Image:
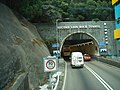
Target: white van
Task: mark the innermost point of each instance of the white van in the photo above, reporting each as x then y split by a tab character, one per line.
77	59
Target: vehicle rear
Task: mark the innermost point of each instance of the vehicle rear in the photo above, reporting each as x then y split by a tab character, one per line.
77	59
87	57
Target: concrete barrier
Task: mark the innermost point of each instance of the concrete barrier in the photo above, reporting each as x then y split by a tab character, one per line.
21	83
109	61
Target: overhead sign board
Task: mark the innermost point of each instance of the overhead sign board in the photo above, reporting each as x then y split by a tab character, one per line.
50	64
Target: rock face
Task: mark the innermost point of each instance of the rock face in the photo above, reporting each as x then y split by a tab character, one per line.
21	50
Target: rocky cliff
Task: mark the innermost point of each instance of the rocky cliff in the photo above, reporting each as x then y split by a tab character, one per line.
21	50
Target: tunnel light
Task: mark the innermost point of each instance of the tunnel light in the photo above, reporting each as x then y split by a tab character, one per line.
107	43
80	44
105	24
106	36
92	42
88	43
105	32
106	39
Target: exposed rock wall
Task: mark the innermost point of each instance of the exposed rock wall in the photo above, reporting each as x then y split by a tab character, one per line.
21	50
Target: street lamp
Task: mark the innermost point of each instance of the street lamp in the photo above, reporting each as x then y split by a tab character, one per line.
57	34
57	42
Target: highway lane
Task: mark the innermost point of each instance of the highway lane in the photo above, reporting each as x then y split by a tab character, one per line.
94	76
108	72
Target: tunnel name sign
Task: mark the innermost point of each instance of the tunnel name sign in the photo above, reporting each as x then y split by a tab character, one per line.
50	65
81	26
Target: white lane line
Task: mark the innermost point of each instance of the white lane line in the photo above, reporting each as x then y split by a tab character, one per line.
105	84
63	87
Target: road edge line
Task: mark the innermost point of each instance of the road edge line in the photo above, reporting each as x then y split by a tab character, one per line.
65	74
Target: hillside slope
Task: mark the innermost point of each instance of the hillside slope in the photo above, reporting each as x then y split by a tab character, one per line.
21	50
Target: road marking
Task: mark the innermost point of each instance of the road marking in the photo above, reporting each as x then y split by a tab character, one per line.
105	84
65	76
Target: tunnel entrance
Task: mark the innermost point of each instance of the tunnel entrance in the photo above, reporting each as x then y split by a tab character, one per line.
82	42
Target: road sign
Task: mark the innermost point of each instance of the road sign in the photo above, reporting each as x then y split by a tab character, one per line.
102	44
50	64
55	45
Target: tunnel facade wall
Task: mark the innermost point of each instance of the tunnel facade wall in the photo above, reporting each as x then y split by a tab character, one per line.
102	31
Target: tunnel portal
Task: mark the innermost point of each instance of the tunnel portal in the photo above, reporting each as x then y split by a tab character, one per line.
81	42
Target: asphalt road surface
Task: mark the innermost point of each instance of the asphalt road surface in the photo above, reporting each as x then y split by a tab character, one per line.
93	76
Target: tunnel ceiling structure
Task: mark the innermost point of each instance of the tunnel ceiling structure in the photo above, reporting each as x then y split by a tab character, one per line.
74	42
81	42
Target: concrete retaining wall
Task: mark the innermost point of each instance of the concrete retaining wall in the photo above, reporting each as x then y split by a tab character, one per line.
109	61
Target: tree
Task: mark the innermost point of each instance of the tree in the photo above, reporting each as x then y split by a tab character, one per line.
47	11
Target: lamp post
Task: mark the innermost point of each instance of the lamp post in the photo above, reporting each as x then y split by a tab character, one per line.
57	42
57	34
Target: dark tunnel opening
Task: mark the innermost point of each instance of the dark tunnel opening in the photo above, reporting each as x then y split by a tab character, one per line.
79	42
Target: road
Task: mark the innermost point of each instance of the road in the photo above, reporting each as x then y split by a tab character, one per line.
94	76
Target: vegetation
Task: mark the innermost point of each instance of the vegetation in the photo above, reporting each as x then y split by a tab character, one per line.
47	11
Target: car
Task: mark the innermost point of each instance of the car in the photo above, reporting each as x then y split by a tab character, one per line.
87	57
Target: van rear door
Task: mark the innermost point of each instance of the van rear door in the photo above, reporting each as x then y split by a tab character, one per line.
77	59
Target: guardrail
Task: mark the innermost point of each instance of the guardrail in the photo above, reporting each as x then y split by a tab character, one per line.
111	61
